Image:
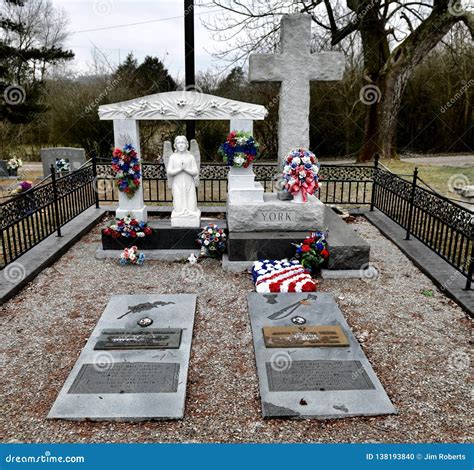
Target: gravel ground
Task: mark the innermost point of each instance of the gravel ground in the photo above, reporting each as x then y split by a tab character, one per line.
417	343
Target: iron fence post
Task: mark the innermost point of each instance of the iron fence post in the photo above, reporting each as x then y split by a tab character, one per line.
96	181
376	166
56	201
470	273
412	201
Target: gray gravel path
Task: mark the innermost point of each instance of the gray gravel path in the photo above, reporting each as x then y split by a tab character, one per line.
417	343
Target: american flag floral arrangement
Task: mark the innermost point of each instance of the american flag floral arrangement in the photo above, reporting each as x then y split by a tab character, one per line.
213	241
300	173
126	170
313	252
239	150
131	256
282	276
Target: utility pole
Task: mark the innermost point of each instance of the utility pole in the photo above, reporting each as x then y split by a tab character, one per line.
190	78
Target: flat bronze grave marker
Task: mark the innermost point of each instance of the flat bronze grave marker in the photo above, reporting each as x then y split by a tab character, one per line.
163	338
127	377
304	336
319	375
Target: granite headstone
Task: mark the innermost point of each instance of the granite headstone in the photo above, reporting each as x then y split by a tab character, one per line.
75	156
312	382
146	377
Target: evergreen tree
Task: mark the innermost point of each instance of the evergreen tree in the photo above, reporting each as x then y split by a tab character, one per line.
23	63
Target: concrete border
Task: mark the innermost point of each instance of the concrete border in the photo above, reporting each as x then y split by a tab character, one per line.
450	281
28	266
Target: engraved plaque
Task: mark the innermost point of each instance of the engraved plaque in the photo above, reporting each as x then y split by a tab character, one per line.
317	376
304	336
127	377
165	338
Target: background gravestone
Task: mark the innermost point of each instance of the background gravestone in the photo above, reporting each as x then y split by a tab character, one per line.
3	169
4	172
75	156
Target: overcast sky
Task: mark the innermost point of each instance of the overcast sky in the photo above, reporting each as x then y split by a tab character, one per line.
164	38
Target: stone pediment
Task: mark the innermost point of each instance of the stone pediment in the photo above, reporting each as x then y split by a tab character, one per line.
182	105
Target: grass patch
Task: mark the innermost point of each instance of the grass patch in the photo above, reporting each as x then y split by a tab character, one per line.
438	177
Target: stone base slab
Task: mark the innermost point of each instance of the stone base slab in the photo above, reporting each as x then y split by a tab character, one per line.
186	221
275	215
253	194
139	214
164	237
367	273
236	266
348	250
156	255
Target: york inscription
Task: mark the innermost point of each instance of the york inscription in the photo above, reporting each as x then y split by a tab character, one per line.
276	216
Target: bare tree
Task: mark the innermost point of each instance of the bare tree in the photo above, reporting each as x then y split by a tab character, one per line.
394	35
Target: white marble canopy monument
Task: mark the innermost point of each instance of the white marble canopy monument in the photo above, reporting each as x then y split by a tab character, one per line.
174	105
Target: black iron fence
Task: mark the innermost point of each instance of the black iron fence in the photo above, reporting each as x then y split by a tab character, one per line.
442	225
439	223
30	217
341	184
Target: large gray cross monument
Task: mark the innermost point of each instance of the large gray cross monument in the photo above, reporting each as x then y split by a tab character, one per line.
295	68
260	229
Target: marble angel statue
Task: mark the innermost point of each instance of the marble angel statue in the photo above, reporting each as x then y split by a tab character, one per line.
182	170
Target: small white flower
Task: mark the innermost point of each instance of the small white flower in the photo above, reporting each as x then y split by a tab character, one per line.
296	160
315	169
239	160
206	242
192	259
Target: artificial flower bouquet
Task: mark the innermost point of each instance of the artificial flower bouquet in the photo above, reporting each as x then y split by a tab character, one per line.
300	173
213	241
22	187
126	169
14	164
239	150
131	256
128	227
62	165
313	252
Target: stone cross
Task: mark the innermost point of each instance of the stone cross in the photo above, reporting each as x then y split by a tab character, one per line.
295	67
